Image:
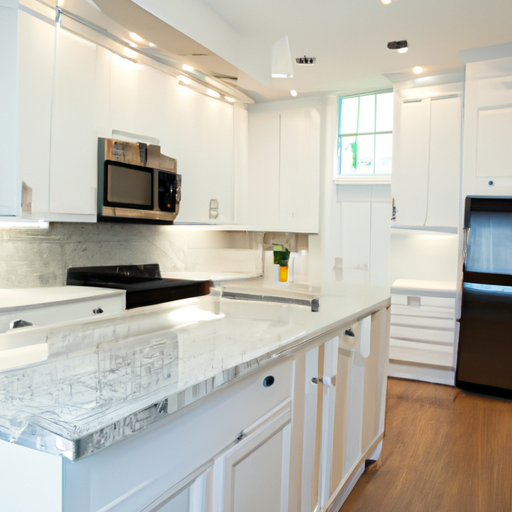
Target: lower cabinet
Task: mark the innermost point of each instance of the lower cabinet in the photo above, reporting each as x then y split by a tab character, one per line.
292	436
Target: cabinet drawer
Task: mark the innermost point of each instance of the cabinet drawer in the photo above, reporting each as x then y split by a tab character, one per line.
424	322
423	311
435	337
421	301
420	353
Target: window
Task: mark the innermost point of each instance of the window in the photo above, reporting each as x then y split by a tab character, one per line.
365	135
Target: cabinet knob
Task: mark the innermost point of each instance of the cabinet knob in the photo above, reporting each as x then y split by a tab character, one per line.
268	381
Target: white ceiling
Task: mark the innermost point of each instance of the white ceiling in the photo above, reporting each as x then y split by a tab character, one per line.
347	37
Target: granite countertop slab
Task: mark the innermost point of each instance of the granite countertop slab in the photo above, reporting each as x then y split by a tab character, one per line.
105	378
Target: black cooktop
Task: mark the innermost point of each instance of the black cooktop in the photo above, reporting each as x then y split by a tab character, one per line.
144	284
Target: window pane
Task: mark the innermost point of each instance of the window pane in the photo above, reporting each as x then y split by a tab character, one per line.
367	114
385	112
365	154
349	109
383	151
348	155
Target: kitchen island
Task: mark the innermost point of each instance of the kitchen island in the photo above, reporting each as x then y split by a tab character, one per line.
209	403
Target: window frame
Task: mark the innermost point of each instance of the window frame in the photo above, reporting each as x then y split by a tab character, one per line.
373	178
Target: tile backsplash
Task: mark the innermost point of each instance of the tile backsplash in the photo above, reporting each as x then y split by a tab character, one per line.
33	258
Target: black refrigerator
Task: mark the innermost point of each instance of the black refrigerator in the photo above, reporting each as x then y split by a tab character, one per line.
484	360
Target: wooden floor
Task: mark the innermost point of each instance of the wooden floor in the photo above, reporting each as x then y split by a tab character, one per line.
444	451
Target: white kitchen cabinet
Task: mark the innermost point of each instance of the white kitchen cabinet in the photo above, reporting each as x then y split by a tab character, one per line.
26	83
149	105
50	169
283	177
488	127
426	158
254	474
422	333
73	159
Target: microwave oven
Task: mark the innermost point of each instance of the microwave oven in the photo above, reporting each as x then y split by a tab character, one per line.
136	183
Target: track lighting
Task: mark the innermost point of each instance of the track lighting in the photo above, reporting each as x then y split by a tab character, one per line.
401	46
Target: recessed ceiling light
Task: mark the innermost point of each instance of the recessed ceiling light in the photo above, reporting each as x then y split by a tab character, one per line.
293	92
386	2
186	67
418	69
136	37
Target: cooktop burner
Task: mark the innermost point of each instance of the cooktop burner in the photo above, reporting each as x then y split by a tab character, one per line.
144	284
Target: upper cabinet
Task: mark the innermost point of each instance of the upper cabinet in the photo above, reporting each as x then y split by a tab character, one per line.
284	170
488	128
426	157
27	54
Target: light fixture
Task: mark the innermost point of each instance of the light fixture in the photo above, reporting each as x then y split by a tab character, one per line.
401	46
152	45
386	2
183	80
282	66
136	37
229	98
186	67
418	69
212	93
130	53
306	61
293	92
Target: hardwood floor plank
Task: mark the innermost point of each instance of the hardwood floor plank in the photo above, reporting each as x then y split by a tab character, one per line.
444	451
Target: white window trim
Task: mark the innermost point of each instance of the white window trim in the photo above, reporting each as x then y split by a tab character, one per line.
371	179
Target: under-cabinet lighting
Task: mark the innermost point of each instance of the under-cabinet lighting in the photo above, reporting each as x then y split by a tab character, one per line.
24	224
293	92
136	37
183	80
212	93
130	53
186	67
228	98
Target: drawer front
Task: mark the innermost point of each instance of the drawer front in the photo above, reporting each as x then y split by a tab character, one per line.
423	311
64	311
420	353
425	322
420	301
435	337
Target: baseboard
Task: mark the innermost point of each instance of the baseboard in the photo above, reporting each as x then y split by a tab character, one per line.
424	373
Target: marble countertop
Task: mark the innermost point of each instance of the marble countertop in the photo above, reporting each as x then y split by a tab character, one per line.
107	377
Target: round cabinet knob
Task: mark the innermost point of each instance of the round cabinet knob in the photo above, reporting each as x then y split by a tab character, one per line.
268	381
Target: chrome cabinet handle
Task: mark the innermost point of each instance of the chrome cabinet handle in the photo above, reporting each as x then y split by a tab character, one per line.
326	381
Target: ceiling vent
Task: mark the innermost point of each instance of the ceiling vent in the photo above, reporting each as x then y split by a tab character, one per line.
305	61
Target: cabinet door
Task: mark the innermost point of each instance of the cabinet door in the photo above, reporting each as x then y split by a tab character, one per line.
190	495
263	180
299	179
73	160
36	57
10	193
411	163
444	161
254	474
